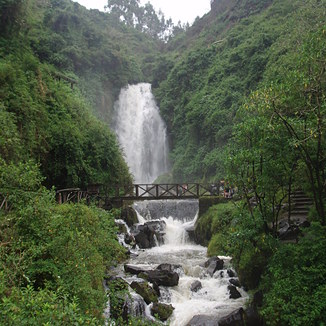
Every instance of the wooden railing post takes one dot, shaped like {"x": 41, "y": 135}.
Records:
{"x": 137, "y": 190}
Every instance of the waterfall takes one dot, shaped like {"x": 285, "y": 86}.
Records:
{"x": 141, "y": 133}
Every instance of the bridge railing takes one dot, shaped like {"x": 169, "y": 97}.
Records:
{"x": 166, "y": 191}
{"x": 102, "y": 197}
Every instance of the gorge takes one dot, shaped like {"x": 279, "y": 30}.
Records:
{"x": 241, "y": 93}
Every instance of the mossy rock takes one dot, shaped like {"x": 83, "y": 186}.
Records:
{"x": 129, "y": 215}
{"x": 162, "y": 311}
{"x": 206, "y": 202}
{"x": 145, "y": 290}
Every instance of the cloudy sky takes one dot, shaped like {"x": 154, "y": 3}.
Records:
{"x": 183, "y": 10}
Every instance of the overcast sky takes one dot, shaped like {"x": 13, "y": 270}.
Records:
{"x": 184, "y": 10}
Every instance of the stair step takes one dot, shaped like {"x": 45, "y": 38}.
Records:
{"x": 300, "y": 197}
{"x": 299, "y": 212}
{"x": 303, "y": 200}
{"x": 301, "y": 205}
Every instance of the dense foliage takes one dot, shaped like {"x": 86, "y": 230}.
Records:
{"x": 44, "y": 119}
{"x": 222, "y": 58}
{"x": 294, "y": 283}
{"x": 279, "y": 142}
{"x": 278, "y": 145}
{"x": 52, "y": 258}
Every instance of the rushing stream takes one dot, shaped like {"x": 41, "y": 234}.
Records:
{"x": 212, "y": 299}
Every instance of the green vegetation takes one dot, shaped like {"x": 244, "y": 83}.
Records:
{"x": 243, "y": 93}
{"x": 278, "y": 145}
{"x": 221, "y": 59}
{"x": 45, "y": 120}
{"x": 294, "y": 284}
{"x": 53, "y": 258}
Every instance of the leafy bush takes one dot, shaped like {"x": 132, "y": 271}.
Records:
{"x": 294, "y": 284}
{"x": 48, "y": 249}
{"x": 240, "y": 235}
{"x": 215, "y": 220}
{"x": 26, "y": 306}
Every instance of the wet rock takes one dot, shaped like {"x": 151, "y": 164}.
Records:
{"x": 135, "y": 270}
{"x": 257, "y": 300}
{"x": 214, "y": 264}
{"x": 203, "y": 320}
{"x": 195, "y": 286}
{"x": 129, "y": 239}
{"x": 231, "y": 273}
{"x": 289, "y": 232}
{"x": 252, "y": 317}
{"x": 148, "y": 234}
{"x": 157, "y": 289}
{"x": 137, "y": 307}
{"x": 121, "y": 227}
{"x": 234, "y": 293}
{"x": 169, "y": 267}
{"x": 235, "y": 282}
{"x": 163, "y": 311}
{"x": 145, "y": 290}
{"x": 191, "y": 233}
{"x": 129, "y": 215}
{"x": 161, "y": 277}
{"x": 235, "y": 318}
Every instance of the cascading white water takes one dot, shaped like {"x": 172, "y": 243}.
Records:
{"x": 141, "y": 133}
{"x": 213, "y": 298}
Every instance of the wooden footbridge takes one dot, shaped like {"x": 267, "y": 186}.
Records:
{"x": 138, "y": 192}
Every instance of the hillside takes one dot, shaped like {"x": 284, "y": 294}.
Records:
{"x": 215, "y": 65}
{"x": 61, "y": 65}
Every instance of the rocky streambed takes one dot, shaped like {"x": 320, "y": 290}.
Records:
{"x": 171, "y": 278}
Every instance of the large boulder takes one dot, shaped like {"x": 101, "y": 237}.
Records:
{"x": 129, "y": 215}
{"x": 231, "y": 272}
{"x": 235, "y": 282}
{"x": 147, "y": 235}
{"x": 252, "y": 317}
{"x": 203, "y": 320}
{"x": 234, "y": 293}
{"x": 235, "y": 318}
{"x": 288, "y": 232}
{"x": 145, "y": 290}
{"x": 162, "y": 311}
{"x": 214, "y": 264}
{"x": 132, "y": 269}
{"x": 161, "y": 277}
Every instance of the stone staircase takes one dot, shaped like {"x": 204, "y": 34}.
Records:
{"x": 300, "y": 204}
